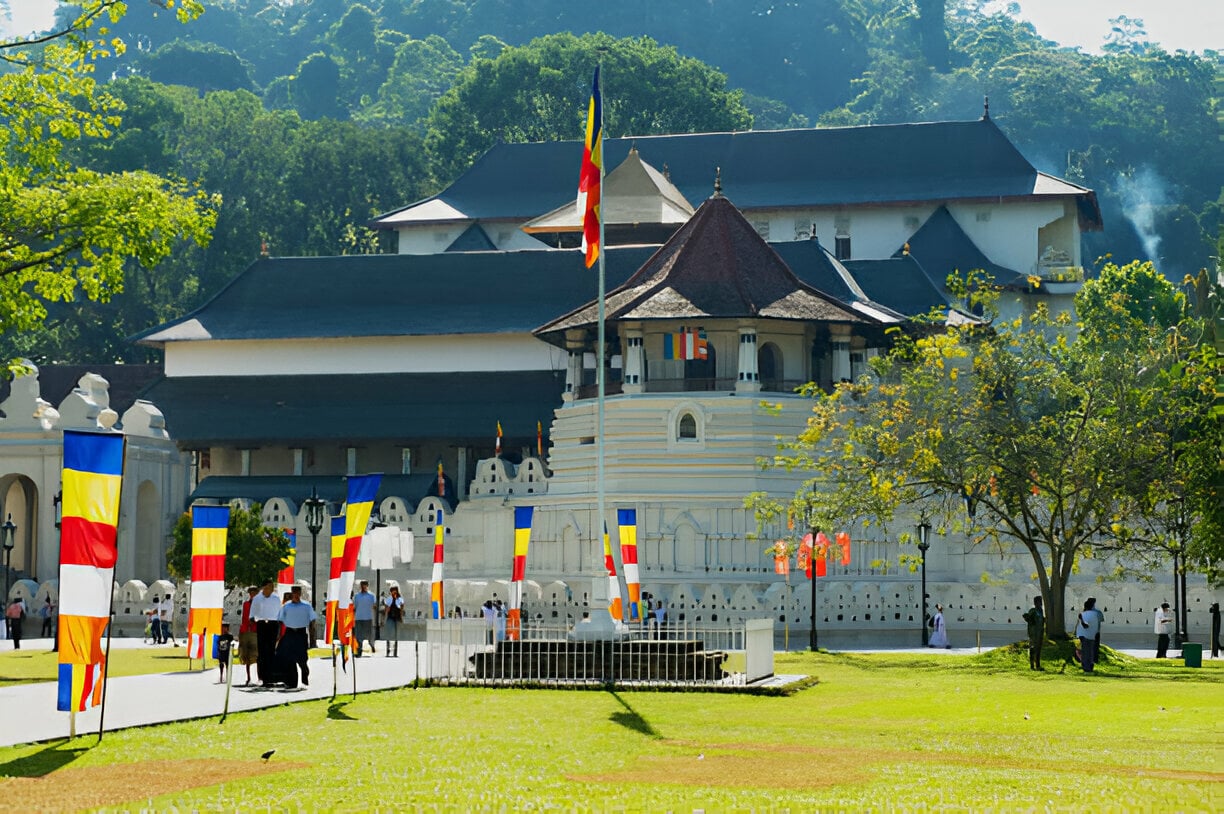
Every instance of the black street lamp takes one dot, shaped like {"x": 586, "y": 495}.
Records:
{"x": 58, "y": 503}
{"x": 7, "y": 532}
{"x": 924, "y": 529}
{"x": 814, "y": 643}
{"x": 316, "y": 509}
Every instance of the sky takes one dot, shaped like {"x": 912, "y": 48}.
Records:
{"x": 1192, "y": 25}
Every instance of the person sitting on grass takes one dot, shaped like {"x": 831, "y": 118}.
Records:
{"x": 225, "y": 644}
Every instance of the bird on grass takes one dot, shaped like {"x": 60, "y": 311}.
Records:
{"x": 267, "y": 755}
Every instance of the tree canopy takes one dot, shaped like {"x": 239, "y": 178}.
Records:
{"x": 253, "y": 552}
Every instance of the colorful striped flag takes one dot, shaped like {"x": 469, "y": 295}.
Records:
{"x": 781, "y": 558}
{"x": 441, "y": 479}
{"x": 209, "y": 528}
{"x": 92, "y": 481}
{"x": 614, "y": 594}
{"x": 522, "y": 538}
{"x": 540, "y": 442}
{"x": 437, "y": 606}
{"x": 821, "y": 554}
{"x": 626, "y": 519}
{"x": 686, "y": 345}
{"x": 284, "y": 577}
{"x": 843, "y": 540}
{"x": 803, "y": 560}
{"x": 331, "y": 631}
{"x": 590, "y": 202}
{"x": 360, "y": 505}
{"x": 497, "y": 449}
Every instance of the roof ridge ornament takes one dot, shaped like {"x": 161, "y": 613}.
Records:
{"x": 985, "y": 108}
{"x": 718, "y": 182}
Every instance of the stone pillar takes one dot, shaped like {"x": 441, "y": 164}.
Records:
{"x": 461, "y": 479}
{"x": 406, "y": 461}
{"x": 634, "y": 381}
{"x": 839, "y": 343}
{"x": 350, "y": 466}
{"x": 245, "y": 467}
{"x": 749, "y": 379}
{"x": 573, "y": 375}
{"x": 299, "y": 461}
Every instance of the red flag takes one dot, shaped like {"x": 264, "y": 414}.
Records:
{"x": 843, "y": 540}
{"x": 497, "y": 450}
{"x": 539, "y": 439}
{"x": 821, "y": 554}
{"x": 803, "y": 561}
{"x": 590, "y": 177}
{"x": 781, "y": 560}
{"x": 441, "y": 480}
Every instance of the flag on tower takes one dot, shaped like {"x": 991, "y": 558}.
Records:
{"x": 497, "y": 449}
{"x": 92, "y": 479}
{"x": 590, "y": 201}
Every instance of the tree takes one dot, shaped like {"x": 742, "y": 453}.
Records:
{"x": 67, "y": 231}
{"x": 1014, "y": 433}
{"x": 253, "y": 552}
{"x": 539, "y": 92}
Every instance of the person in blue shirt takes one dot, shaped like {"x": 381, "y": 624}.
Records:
{"x": 292, "y": 645}
{"x": 363, "y": 619}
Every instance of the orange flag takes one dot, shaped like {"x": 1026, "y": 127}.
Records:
{"x": 843, "y": 540}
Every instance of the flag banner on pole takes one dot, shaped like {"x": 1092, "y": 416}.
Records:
{"x": 843, "y": 541}
{"x": 614, "y": 593}
{"x": 209, "y": 528}
{"x": 590, "y": 202}
{"x": 360, "y": 505}
{"x": 821, "y": 554}
{"x": 803, "y": 560}
{"x": 284, "y": 577}
{"x": 626, "y": 520}
{"x": 781, "y": 558}
{"x": 331, "y": 633}
{"x": 497, "y": 449}
{"x": 441, "y": 480}
{"x": 686, "y": 345}
{"x": 522, "y": 538}
{"x": 437, "y": 603}
{"x": 539, "y": 440}
{"x": 92, "y": 480}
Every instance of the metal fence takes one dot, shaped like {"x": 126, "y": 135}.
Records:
{"x": 469, "y": 651}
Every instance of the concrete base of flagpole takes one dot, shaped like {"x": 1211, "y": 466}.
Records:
{"x": 598, "y": 624}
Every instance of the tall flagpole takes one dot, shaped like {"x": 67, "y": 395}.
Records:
{"x": 601, "y": 372}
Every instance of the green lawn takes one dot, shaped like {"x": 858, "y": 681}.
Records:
{"x": 915, "y": 732}
{"x": 27, "y": 665}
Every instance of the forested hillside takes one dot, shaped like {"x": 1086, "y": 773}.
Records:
{"x": 310, "y": 116}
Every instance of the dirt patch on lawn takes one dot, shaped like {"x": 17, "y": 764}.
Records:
{"x": 74, "y": 789}
{"x": 757, "y": 765}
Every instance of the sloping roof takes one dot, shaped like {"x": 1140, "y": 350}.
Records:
{"x": 941, "y": 247}
{"x": 836, "y": 166}
{"x": 396, "y": 407}
{"x": 633, "y": 193}
{"x": 473, "y": 239}
{"x": 716, "y": 265}
{"x": 396, "y": 295}
{"x": 332, "y": 488}
{"x": 898, "y": 283}
{"x": 55, "y": 382}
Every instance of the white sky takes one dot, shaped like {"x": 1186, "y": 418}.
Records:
{"x": 1192, "y": 25}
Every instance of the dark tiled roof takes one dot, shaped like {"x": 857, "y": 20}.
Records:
{"x": 899, "y": 283}
{"x": 284, "y": 410}
{"x": 716, "y": 265}
{"x": 55, "y": 382}
{"x": 473, "y": 239}
{"x": 941, "y": 247}
{"x": 397, "y": 295}
{"x": 332, "y": 488}
{"x": 765, "y": 169}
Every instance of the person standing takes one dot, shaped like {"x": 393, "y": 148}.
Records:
{"x": 939, "y": 632}
{"x": 1088, "y": 629}
{"x": 1215, "y": 630}
{"x": 1034, "y": 620}
{"x": 225, "y": 645}
{"x": 166, "y": 618}
{"x": 265, "y": 610}
{"x": 1162, "y": 625}
{"x": 248, "y": 638}
{"x": 393, "y": 612}
{"x": 45, "y": 614}
{"x": 293, "y": 622}
{"x": 154, "y": 615}
{"x": 363, "y": 619}
{"x": 14, "y": 614}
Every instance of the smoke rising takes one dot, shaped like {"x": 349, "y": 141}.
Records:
{"x": 1142, "y": 193}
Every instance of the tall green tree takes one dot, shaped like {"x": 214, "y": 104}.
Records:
{"x": 253, "y": 552}
{"x": 67, "y": 231}
{"x": 539, "y": 92}
{"x": 1015, "y": 434}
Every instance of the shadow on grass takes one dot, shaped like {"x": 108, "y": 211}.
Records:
{"x": 335, "y": 711}
{"x": 630, "y": 719}
{"x": 43, "y": 762}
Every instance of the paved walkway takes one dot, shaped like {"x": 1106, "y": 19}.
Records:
{"x": 28, "y": 714}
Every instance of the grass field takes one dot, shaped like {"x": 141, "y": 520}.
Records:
{"x": 915, "y": 732}
{"x": 28, "y": 665}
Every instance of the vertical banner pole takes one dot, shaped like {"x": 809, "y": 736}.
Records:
{"x": 106, "y": 667}
{"x": 354, "y": 679}
{"x": 72, "y": 722}
{"x": 335, "y": 673}
{"x": 229, "y": 682}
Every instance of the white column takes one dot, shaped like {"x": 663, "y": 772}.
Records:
{"x": 573, "y": 375}
{"x": 749, "y": 379}
{"x": 634, "y": 357}
{"x": 406, "y": 461}
{"x": 299, "y": 461}
{"x": 839, "y": 343}
{"x": 351, "y": 462}
{"x": 244, "y": 455}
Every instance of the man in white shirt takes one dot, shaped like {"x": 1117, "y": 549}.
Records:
{"x": 166, "y": 617}
{"x": 1163, "y": 626}
{"x": 154, "y": 616}
{"x": 265, "y": 612}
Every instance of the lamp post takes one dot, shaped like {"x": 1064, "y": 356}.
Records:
{"x": 315, "y": 510}
{"x": 814, "y": 644}
{"x": 924, "y": 529}
{"x": 7, "y": 532}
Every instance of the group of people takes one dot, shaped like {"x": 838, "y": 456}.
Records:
{"x": 16, "y": 612}
{"x": 1087, "y": 630}
{"x": 159, "y": 626}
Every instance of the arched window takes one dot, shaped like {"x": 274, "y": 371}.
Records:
{"x": 769, "y": 366}
{"x": 686, "y": 429}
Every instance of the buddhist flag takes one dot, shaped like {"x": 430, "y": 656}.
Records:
{"x": 590, "y": 178}
{"x": 540, "y": 440}
{"x": 522, "y": 538}
{"x": 686, "y": 345}
{"x": 803, "y": 560}
{"x": 781, "y": 558}
{"x": 614, "y": 594}
{"x": 441, "y": 480}
{"x": 209, "y": 525}
{"x": 843, "y": 541}
{"x": 821, "y": 553}
{"x": 331, "y": 631}
{"x": 360, "y": 505}
{"x": 92, "y": 480}
{"x": 437, "y": 603}
{"x": 497, "y": 449}
{"x": 626, "y": 519}
{"x": 284, "y": 577}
